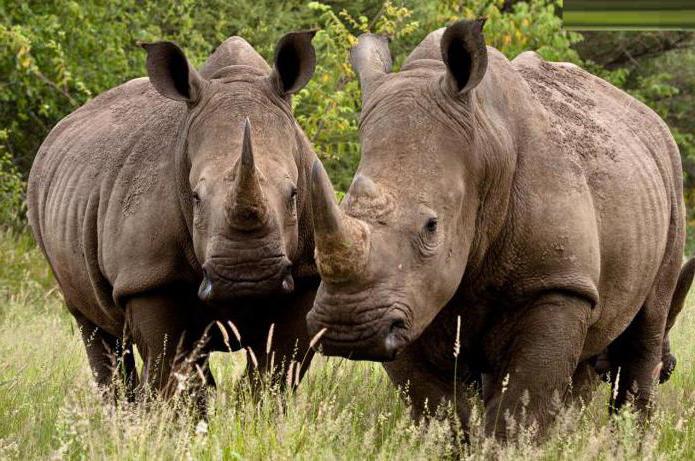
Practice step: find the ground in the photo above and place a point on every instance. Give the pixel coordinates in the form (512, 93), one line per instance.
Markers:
(344, 410)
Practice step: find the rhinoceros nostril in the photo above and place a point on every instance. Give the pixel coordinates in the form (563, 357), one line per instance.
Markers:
(288, 284)
(205, 290)
(394, 339)
(396, 325)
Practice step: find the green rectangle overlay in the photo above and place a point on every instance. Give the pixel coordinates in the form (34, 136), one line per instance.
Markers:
(629, 15)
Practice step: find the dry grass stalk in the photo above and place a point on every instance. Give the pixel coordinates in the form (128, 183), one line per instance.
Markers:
(235, 331)
(252, 356)
(269, 342)
(290, 374)
(225, 335)
(316, 338)
(457, 342)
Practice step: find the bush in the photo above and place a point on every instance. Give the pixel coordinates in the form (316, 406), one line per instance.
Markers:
(60, 54)
(12, 187)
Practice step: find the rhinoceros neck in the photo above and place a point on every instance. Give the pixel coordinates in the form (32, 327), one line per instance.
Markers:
(509, 128)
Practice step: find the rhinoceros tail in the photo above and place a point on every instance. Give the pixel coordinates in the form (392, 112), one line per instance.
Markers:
(685, 281)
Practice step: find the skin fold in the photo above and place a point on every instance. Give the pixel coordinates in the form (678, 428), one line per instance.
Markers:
(178, 200)
(533, 201)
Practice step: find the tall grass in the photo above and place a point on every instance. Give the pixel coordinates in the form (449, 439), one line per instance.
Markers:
(49, 408)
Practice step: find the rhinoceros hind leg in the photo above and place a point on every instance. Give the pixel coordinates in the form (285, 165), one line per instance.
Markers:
(635, 358)
(668, 365)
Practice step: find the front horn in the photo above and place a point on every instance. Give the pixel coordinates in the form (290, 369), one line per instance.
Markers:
(247, 204)
(342, 242)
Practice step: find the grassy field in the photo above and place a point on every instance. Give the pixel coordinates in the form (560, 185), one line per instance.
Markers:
(343, 410)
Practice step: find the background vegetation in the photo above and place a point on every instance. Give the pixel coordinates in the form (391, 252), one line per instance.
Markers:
(56, 55)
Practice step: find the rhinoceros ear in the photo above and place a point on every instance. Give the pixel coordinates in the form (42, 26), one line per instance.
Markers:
(171, 74)
(371, 59)
(465, 54)
(295, 61)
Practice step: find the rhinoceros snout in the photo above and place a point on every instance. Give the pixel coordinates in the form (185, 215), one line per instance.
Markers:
(260, 278)
(380, 340)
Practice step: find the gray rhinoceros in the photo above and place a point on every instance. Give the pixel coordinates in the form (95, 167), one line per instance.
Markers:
(532, 202)
(168, 203)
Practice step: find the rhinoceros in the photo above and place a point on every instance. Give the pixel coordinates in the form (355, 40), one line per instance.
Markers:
(171, 202)
(515, 218)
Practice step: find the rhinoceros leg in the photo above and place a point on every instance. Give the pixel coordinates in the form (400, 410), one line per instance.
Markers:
(110, 358)
(668, 362)
(535, 372)
(286, 364)
(428, 385)
(635, 359)
(166, 333)
(584, 383)
(284, 359)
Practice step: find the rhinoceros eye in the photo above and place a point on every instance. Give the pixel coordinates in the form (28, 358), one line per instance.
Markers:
(292, 202)
(196, 198)
(431, 225)
(427, 241)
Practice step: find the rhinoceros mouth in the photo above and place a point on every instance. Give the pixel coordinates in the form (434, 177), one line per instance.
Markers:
(381, 339)
(223, 281)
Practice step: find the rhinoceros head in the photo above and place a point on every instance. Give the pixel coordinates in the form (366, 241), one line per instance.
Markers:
(240, 161)
(394, 253)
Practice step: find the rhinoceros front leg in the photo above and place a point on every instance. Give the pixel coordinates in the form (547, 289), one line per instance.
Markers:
(284, 366)
(534, 372)
(427, 385)
(165, 331)
(584, 383)
(281, 354)
(110, 358)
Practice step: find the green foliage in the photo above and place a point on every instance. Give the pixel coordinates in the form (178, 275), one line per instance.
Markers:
(328, 108)
(532, 25)
(57, 55)
(12, 188)
(60, 54)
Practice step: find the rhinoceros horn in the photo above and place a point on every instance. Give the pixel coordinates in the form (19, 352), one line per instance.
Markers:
(247, 207)
(342, 241)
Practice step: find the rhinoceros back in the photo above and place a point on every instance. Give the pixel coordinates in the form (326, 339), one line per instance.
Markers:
(102, 199)
(630, 163)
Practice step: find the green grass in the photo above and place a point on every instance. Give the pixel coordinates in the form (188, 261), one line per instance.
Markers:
(343, 410)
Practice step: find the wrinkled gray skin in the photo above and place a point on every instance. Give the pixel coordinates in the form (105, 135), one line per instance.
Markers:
(168, 203)
(537, 202)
